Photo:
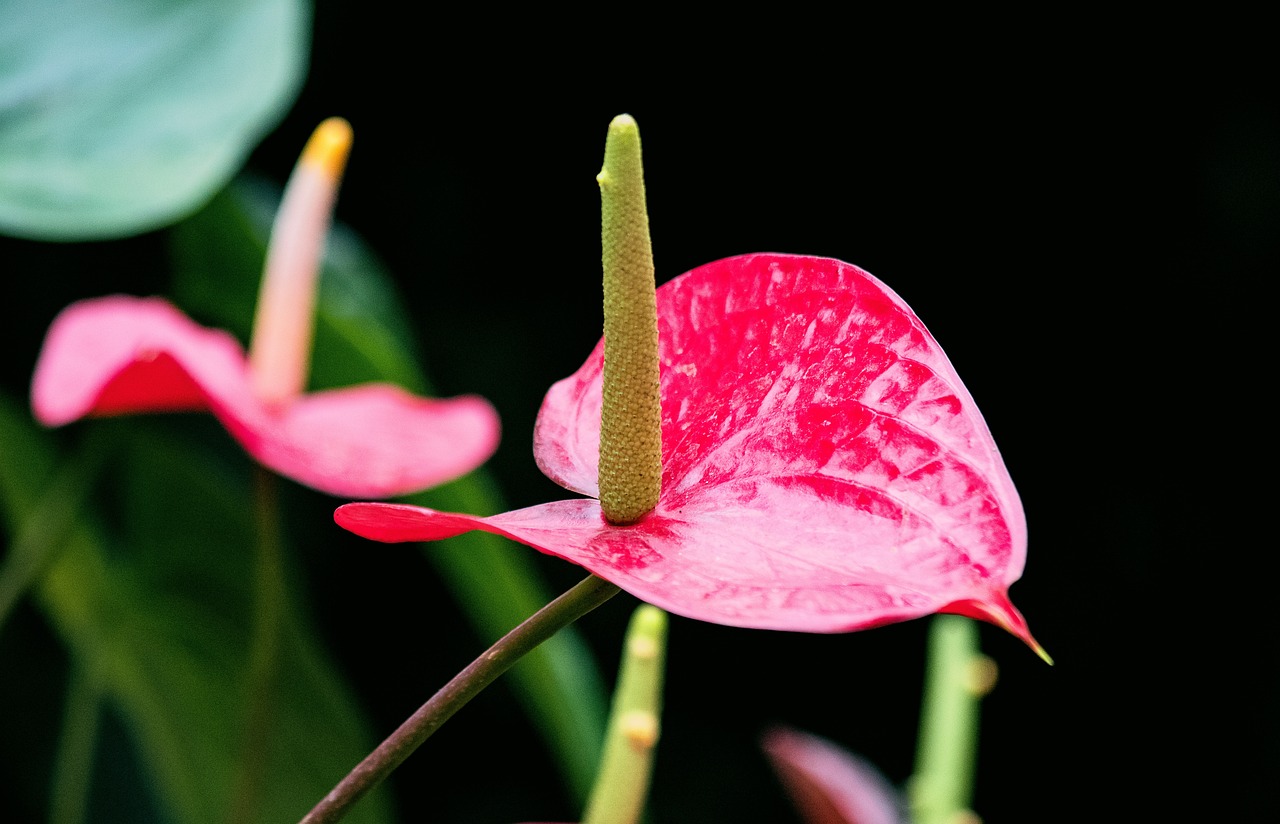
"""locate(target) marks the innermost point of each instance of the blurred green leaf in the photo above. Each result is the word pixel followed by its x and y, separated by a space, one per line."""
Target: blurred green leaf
pixel 363 333
pixel 120 117
pixel 159 613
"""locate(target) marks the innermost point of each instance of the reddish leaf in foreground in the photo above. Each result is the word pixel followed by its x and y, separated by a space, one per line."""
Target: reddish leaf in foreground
pixel 830 785
pixel 824 468
pixel 119 355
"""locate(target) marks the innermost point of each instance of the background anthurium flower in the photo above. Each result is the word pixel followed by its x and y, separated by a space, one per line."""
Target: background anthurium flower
pixel 830 785
pixel 824 468
pixel 118 355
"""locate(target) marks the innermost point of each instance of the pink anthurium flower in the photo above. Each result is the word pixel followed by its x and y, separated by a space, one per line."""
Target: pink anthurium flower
pixel 119 355
pixel 824 469
pixel 830 785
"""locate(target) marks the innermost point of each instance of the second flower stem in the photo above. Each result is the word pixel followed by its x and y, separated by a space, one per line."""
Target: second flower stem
pixel 269 595
pixel 585 596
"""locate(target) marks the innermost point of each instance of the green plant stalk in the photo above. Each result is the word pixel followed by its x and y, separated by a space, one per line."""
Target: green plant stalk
pixel 634 723
pixel 956 678
pixel 269 593
pixel 631 409
pixel 585 596
pixel 73 768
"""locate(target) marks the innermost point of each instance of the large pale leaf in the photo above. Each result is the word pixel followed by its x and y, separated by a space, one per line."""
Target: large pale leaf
pixel 119 117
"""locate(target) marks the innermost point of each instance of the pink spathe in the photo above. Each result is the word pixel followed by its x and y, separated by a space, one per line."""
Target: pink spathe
pixel 824 468
pixel 119 355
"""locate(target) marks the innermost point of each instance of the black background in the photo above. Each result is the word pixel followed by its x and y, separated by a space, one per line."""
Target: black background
pixel 1086 222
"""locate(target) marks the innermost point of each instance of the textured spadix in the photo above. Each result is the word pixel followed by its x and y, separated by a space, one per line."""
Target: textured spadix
pixel 824 468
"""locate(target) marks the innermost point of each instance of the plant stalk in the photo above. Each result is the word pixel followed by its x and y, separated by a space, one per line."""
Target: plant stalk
pixel 626 767
pixel 957 677
pixel 264 652
pixel 73 768
pixel 585 596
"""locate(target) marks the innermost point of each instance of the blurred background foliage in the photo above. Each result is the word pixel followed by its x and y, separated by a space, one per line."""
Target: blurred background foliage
pixel 1083 223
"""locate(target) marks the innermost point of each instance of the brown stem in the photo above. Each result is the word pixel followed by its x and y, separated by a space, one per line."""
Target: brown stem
pixel 585 596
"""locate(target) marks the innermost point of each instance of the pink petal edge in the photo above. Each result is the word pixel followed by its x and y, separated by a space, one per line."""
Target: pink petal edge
pixel 120 355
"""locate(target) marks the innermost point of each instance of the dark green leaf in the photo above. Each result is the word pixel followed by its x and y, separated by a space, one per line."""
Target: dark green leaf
pixel 158 608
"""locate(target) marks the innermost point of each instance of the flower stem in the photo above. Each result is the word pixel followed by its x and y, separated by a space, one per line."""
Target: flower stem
pixel 73 770
pixel 264 651
pixel 627 763
pixel 585 596
pixel 631 409
pixel 957 677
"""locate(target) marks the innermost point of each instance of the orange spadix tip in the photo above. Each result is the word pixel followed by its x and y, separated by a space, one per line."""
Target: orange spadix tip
pixel 329 146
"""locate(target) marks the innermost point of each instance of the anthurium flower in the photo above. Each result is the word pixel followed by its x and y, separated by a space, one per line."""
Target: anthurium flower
pixel 823 467
pixel 830 785
pixel 119 355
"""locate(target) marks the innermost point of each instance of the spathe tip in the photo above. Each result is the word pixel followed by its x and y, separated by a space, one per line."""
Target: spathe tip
pixel 999 610
pixel 1039 650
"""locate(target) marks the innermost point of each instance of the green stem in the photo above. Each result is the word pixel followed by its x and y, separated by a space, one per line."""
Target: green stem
pixel 627 763
pixel 957 677
pixel 42 535
pixel 73 770
pixel 264 651
pixel 585 596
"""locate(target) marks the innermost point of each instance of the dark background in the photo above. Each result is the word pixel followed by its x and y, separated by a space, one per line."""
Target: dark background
pixel 1088 229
